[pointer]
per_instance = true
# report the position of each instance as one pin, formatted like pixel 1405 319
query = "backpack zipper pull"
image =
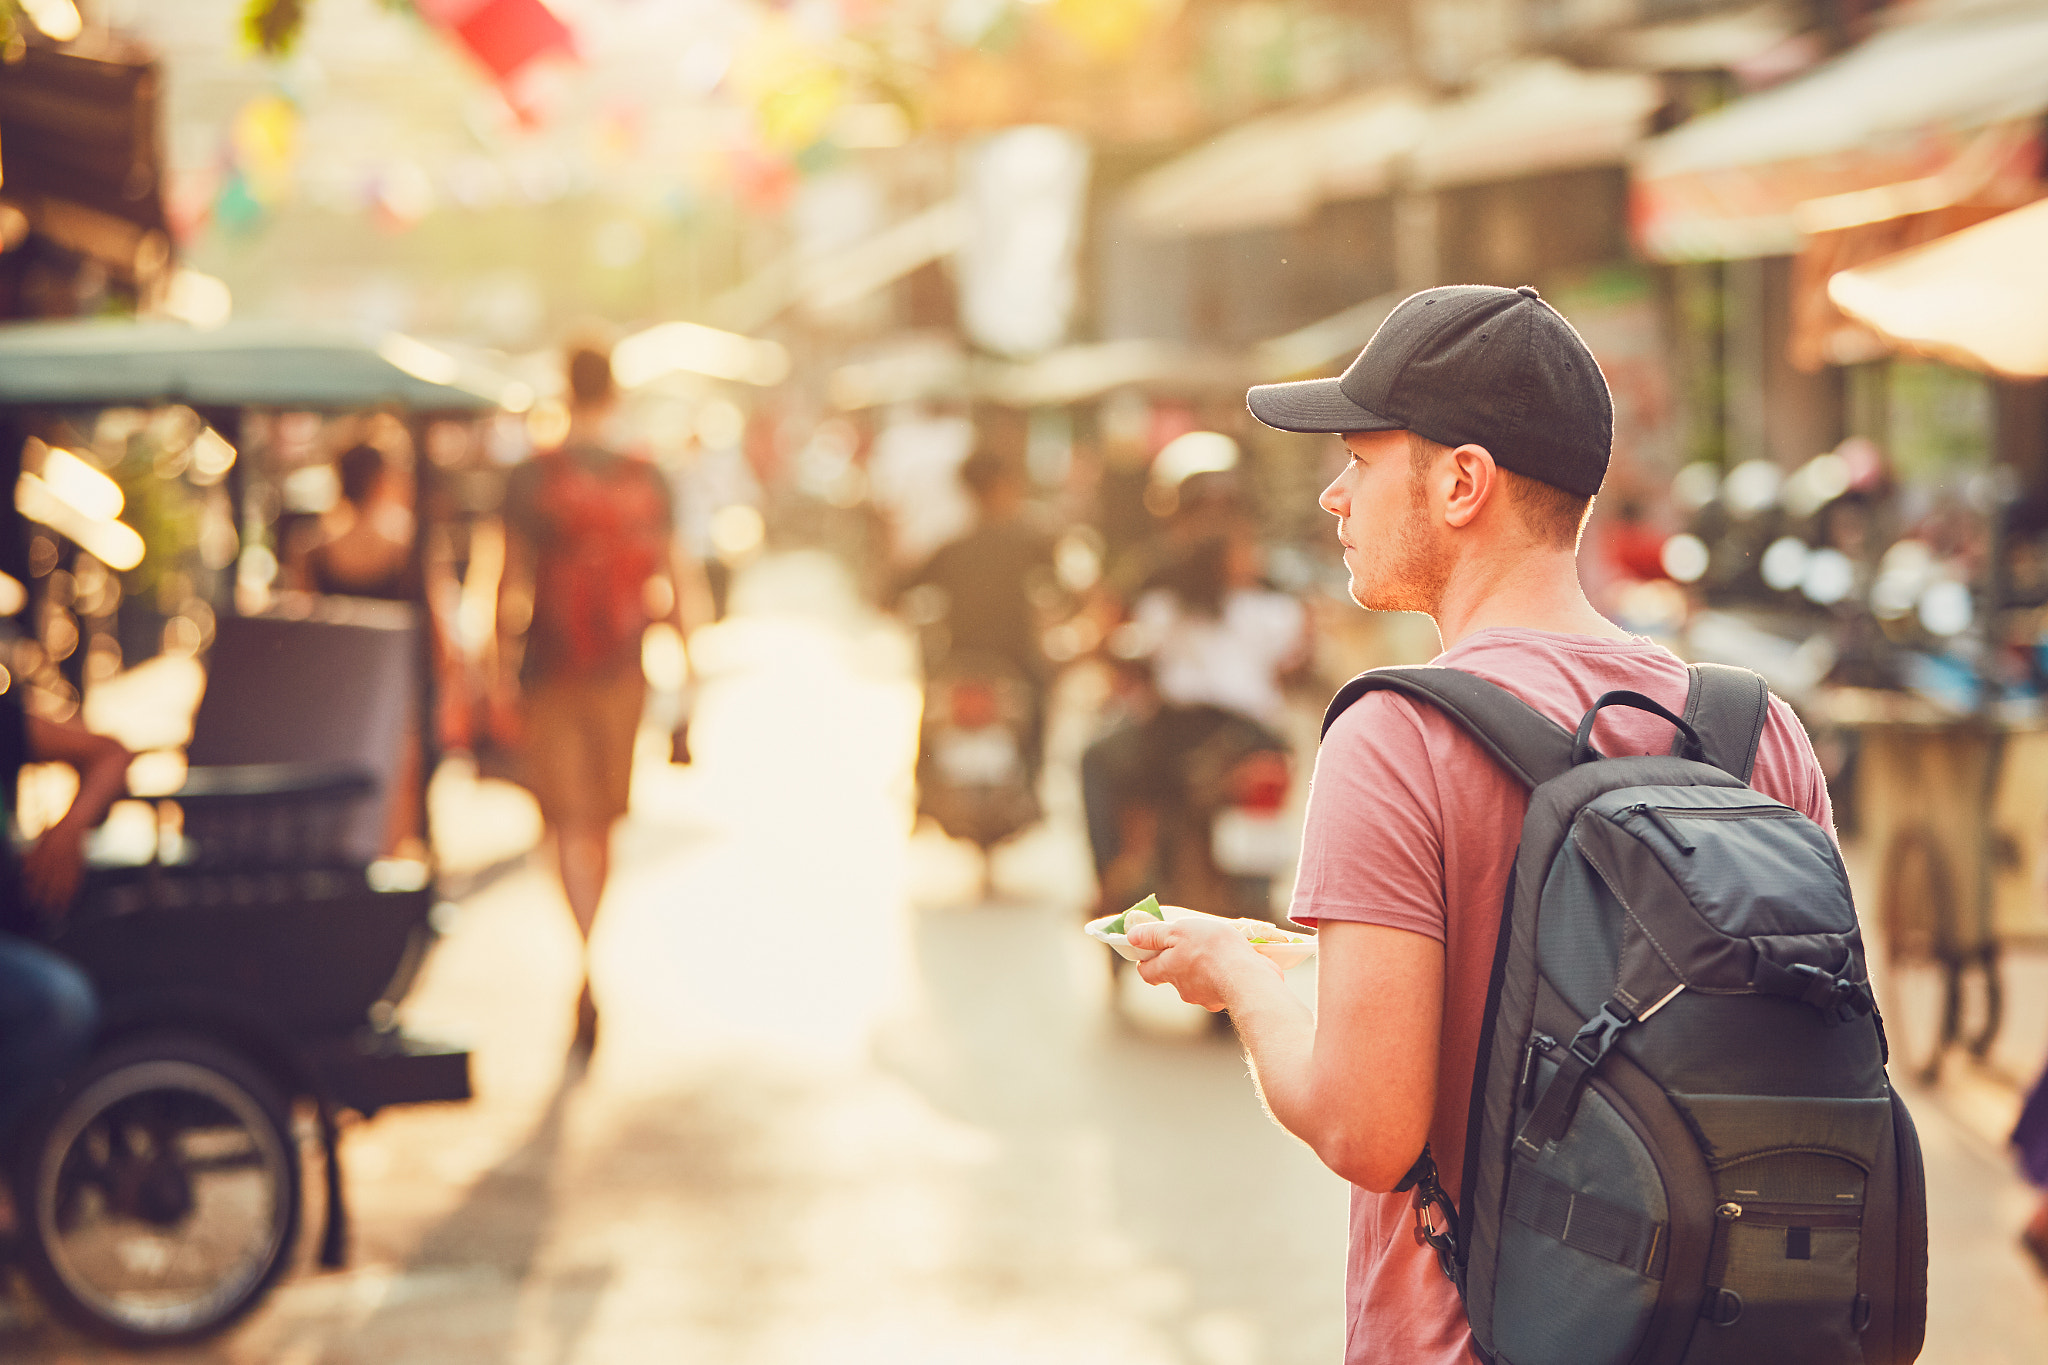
pixel 1663 822
pixel 1538 1042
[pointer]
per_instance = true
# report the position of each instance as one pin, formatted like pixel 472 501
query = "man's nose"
pixel 1329 501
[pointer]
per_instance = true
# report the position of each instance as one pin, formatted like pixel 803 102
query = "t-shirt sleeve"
pixel 1787 769
pixel 1372 842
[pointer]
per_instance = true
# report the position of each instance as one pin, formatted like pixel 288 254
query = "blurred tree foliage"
pixel 164 511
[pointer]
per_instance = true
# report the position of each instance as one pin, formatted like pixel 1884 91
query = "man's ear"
pixel 1475 482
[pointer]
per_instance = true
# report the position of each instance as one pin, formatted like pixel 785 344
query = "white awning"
pixel 1900 108
pixel 1074 373
pixel 1324 342
pixel 1275 170
pixel 1978 297
pixel 1533 117
pixel 1528 118
pixel 846 275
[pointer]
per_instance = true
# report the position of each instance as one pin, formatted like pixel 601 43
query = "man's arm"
pixel 51 868
pixel 1356 1078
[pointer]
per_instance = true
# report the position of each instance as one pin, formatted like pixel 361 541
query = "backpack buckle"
pixel 1592 1043
pixel 1839 999
pixel 1560 1099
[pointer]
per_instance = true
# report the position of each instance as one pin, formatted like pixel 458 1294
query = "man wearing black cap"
pixel 1478 428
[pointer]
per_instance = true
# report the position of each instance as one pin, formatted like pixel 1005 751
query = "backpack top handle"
pixel 1582 743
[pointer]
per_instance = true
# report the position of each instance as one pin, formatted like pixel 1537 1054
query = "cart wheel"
pixel 159 1199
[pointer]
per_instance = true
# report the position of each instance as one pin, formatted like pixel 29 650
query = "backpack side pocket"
pixel 1591 1255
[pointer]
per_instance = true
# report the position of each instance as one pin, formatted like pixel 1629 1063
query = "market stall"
pixel 1955 807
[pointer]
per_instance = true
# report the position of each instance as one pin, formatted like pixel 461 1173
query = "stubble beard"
pixel 1408 571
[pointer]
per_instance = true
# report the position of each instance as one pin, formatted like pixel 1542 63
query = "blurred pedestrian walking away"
pixel 591 560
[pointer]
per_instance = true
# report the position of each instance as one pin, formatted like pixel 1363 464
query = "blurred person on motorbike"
pixel 47 1007
pixel 591 560
pixel 981 596
pixel 1208 644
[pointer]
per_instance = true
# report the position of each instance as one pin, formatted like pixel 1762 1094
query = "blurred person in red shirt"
pixel 591 560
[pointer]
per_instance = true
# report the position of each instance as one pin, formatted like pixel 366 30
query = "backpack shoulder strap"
pixel 1527 743
pixel 1729 707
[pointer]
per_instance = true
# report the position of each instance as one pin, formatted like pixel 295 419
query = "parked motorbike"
pixel 976 773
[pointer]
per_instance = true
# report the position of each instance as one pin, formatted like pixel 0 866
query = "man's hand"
pixel 1207 960
pixel 53 866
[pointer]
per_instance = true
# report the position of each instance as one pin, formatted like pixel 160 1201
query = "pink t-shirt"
pixel 1412 826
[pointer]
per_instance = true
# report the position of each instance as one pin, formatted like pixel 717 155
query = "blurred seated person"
pixel 47 1008
pixel 363 545
pixel 1218 642
pixel 988 585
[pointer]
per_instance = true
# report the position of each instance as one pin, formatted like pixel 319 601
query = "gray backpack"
pixel 1682 1144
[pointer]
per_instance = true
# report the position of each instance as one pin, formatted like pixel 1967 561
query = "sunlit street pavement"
pixel 842 1113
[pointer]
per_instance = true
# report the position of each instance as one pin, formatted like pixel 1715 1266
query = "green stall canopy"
pixel 110 362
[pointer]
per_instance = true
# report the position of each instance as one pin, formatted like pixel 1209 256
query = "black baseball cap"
pixel 1469 363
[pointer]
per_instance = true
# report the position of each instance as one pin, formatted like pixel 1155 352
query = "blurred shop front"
pixel 1926 128
pixel 82 224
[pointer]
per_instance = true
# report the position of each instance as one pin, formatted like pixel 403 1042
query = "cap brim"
pixel 1313 405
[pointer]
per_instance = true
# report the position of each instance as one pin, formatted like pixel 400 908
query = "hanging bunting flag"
pixel 506 36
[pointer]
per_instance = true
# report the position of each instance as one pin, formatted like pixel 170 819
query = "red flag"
pixel 505 35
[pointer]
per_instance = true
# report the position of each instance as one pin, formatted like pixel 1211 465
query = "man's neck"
pixel 1533 592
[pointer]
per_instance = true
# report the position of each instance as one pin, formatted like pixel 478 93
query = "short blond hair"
pixel 1553 515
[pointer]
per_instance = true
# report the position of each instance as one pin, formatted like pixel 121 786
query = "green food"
pixel 1150 905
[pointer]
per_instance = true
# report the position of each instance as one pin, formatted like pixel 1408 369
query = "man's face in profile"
pixel 1395 559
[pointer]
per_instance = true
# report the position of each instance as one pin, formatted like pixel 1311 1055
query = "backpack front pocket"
pixel 1790 1181
pixel 1725 894
pixel 1782 1278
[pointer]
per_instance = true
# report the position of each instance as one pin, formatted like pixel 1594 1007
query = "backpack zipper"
pixel 1775 1215
pixel 1729 812
pixel 1662 817
pixel 1663 823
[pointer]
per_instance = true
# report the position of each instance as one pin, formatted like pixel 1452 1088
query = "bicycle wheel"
pixel 160 1198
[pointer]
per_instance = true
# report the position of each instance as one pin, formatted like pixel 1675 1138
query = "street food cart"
pixel 251 961
pixel 1954 812
pixel 1957 808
